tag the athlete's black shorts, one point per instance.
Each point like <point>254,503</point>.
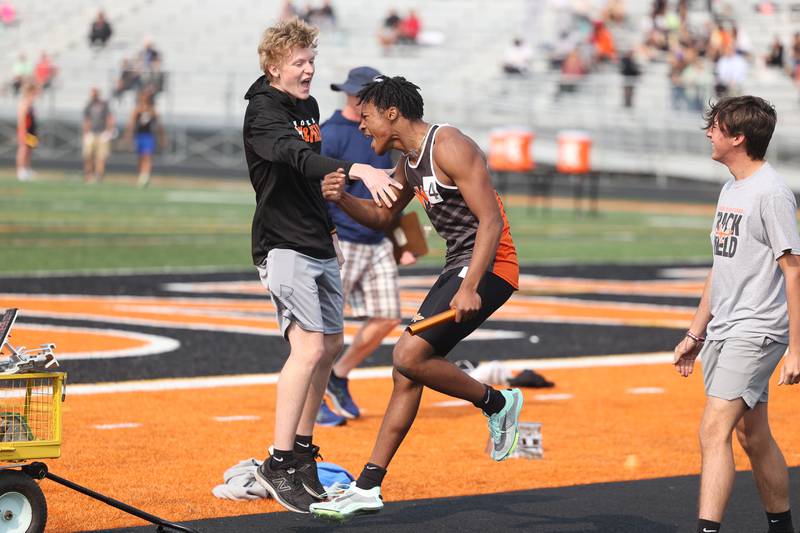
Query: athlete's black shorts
<point>493,290</point>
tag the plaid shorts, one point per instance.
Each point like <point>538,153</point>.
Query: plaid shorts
<point>369,279</point>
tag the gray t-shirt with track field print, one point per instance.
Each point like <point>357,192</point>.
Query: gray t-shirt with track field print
<point>755,224</point>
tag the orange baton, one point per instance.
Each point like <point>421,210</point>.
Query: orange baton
<point>433,321</point>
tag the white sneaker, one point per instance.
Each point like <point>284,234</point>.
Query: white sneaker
<point>349,503</point>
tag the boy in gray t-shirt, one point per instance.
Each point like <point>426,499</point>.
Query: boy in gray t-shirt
<point>749,313</point>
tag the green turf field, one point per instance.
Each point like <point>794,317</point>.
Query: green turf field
<point>60,224</point>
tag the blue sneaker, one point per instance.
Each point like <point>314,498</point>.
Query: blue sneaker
<point>504,425</point>
<point>339,395</point>
<point>326,417</point>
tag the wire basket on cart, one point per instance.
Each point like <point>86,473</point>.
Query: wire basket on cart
<point>30,416</point>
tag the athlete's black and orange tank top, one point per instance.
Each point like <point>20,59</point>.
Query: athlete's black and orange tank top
<point>452,218</point>
<point>30,122</point>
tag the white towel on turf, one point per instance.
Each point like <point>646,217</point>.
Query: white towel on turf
<point>240,482</point>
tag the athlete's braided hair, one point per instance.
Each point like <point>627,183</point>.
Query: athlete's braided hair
<point>385,92</point>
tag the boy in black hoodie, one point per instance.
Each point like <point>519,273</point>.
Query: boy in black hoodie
<point>295,249</point>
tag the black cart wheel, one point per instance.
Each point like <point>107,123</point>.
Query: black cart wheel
<point>23,508</point>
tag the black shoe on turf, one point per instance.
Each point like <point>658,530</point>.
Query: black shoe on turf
<point>284,485</point>
<point>306,471</point>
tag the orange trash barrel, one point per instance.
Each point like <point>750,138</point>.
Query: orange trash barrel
<point>574,148</point>
<point>510,150</point>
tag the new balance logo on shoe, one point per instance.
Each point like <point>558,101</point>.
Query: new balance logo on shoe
<point>281,484</point>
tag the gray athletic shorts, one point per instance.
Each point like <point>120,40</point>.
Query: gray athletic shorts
<point>305,290</point>
<point>740,368</point>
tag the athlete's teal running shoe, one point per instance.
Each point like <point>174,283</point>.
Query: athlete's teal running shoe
<point>504,425</point>
<point>349,503</point>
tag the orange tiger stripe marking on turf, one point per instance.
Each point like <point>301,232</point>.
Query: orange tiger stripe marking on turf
<point>170,463</point>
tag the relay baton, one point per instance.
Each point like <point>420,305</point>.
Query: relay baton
<point>435,320</point>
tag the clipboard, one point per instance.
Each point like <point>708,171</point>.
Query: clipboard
<point>407,235</point>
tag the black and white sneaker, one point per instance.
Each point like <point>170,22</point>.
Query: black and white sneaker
<point>284,485</point>
<point>306,471</point>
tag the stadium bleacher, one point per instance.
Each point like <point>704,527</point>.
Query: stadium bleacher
<point>209,57</point>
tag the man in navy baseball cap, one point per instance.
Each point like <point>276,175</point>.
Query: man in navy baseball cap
<point>369,273</point>
<point>356,79</point>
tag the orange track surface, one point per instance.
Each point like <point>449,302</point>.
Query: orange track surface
<point>169,464</point>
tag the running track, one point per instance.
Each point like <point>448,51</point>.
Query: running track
<point>171,382</point>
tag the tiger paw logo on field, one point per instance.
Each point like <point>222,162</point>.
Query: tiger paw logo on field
<point>726,231</point>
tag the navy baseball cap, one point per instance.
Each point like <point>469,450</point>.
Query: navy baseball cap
<point>356,79</point>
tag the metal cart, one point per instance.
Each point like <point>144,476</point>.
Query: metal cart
<point>30,429</point>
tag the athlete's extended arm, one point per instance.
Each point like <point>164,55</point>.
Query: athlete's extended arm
<point>460,159</point>
<point>687,350</point>
<point>790,371</point>
<point>366,212</point>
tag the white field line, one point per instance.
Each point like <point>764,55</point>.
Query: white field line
<point>554,397</point>
<point>123,425</point>
<point>214,382</point>
<point>646,390</point>
<point>154,344</point>
<point>236,418</point>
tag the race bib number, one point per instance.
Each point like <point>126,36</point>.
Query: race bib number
<point>431,190</point>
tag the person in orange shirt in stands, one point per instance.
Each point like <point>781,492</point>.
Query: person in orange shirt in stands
<point>45,71</point>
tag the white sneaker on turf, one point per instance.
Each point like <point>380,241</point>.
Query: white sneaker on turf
<point>349,503</point>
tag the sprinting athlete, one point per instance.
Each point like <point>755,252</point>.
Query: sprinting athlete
<point>447,172</point>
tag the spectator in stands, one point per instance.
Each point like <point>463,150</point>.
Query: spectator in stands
<point>677,90</point>
<point>27,132</point>
<point>697,79</point>
<point>45,71</point>
<point>630,75</point>
<point>517,58</point>
<point>766,7</point>
<point>731,73</point>
<point>614,12</point>
<point>742,42</point>
<point>21,71</point>
<point>387,37</point>
<point>775,56</point>
<point>288,11</point>
<point>149,54</point>
<point>408,30</point>
<point>326,15</point>
<point>308,14</point>
<point>8,14</point>
<point>151,80</point>
<point>603,42</point>
<point>100,31</point>
<point>572,72</point>
<point>98,130</point>
<point>719,40</point>
<point>145,124</point>
<point>795,53</point>
<point>129,78</point>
